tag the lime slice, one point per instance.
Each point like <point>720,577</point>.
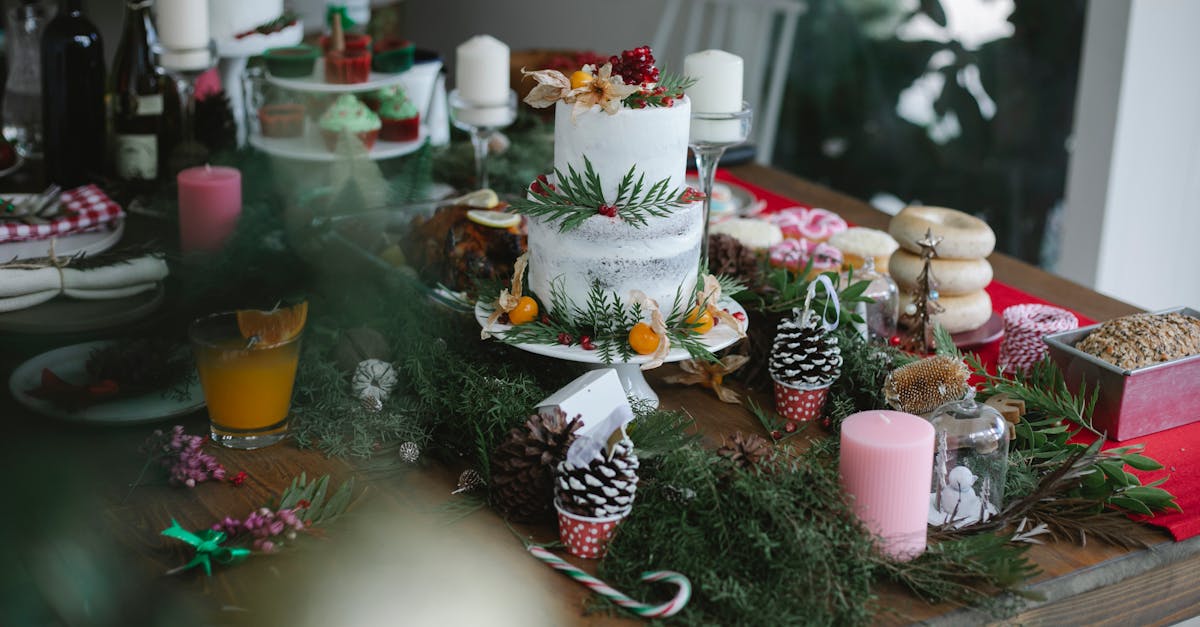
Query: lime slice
<point>494,219</point>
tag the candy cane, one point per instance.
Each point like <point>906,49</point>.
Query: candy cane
<point>670,608</point>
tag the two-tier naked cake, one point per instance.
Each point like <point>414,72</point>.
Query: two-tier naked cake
<point>659,257</point>
<point>632,224</point>
<point>614,232</point>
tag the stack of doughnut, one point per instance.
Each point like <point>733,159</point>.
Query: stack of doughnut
<point>961,267</point>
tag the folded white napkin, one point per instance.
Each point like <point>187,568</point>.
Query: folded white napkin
<point>24,285</point>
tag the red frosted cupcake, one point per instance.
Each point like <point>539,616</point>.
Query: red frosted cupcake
<point>349,116</point>
<point>347,67</point>
<point>354,41</point>
<point>282,120</point>
<point>401,121</point>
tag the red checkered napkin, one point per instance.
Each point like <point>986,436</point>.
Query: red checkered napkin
<point>85,208</point>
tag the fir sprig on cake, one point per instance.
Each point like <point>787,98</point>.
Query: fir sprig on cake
<point>587,187</point>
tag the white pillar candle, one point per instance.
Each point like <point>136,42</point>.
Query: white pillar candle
<point>481,71</point>
<point>182,24</point>
<point>718,86</point>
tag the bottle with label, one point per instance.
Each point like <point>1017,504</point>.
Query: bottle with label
<point>142,97</point>
<point>73,112</point>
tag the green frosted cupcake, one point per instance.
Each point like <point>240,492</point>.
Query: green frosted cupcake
<point>401,120</point>
<point>349,116</point>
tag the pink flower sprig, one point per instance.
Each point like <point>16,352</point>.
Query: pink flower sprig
<point>268,528</point>
<point>181,454</point>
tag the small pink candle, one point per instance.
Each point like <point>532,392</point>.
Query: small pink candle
<point>886,467</point>
<point>210,201</point>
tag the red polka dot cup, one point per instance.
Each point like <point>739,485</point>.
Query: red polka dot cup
<point>800,403</point>
<point>585,536</point>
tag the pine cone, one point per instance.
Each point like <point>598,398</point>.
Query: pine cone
<point>522,467</point>
<point>727,256</point>
<point>804,353</point>
<point>745,451</point>
<point>923,386</point>
<point>604,487</point>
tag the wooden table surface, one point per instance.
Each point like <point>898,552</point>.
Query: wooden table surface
<point>404,555</point>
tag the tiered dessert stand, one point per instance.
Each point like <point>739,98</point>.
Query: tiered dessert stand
<point>310,146</point>
<point>235,52</point>
<point>630,372</point>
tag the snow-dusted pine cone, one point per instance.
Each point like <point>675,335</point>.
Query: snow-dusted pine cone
<point>604,487</point>
<point>804,353</point>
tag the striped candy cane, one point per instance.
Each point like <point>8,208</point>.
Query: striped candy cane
<point>670,608</point>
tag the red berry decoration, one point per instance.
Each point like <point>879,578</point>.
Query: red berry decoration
<point>777,435</point>
<point>540,184</point>
<point>608,211</point>
<point>239,478</point>
<point>565,339</point>
<point>585,342</point>
<point>545,319</point>
<point>894,340</point>
<point>790,427</point>
<point>739,316</point>
<point>635,67</point>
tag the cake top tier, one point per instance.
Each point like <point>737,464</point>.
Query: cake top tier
<point>628,81</point>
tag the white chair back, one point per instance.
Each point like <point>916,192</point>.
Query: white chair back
<point>760,31</point>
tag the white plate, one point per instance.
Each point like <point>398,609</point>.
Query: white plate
<point>743,201</point>
<point>315,83</point>
<point>70,363</point>
<point>311,147</point>
<point>65,245</point>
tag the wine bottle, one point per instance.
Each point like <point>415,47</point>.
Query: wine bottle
<point>142,96</point>
<point>73,111</point>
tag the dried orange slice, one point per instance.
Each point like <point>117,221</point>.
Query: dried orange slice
<point>273,327</point>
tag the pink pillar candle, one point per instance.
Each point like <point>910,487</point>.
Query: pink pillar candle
<point>886,466</point>
<point>210,201</point>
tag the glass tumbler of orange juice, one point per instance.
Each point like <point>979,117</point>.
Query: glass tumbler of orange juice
<point>247,383</point>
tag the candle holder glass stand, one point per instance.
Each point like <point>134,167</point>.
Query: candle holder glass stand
<point>711,134</point>
<point>184,66</point>
<point>481,122</point>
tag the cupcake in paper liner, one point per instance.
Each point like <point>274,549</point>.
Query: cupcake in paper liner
<point>805,361</point>
<point>594,490</point>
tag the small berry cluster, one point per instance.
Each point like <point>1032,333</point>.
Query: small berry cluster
<point>183,458</point>
<point>585,341</point>
<point>691,194</point>
<point>635,67</point>
<point>540,185</point>
<point>657,97</point>
<point>267,527</point>
<point>608,211</point>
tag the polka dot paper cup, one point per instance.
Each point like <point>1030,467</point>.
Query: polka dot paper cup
<point>800,403</point>
<point>585,536</point>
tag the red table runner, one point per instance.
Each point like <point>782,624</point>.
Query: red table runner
<point>1173,448</point>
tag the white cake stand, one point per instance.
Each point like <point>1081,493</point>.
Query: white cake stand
<point>630,372</point>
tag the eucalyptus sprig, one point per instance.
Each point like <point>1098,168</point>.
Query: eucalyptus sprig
<point>577,196</point>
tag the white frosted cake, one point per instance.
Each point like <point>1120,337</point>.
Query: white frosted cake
<point>661,257</point>
<point>229,18</point>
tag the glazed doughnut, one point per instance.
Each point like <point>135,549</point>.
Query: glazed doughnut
<point>955,277</point>
<point>814,225</point>
<point>963,236</point>
<point>794,254</point>
<point>857,243</point>
<point>962,313</point>
<point>753,234</point>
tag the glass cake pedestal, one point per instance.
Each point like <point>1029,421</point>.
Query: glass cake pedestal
<point>630,372</point>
